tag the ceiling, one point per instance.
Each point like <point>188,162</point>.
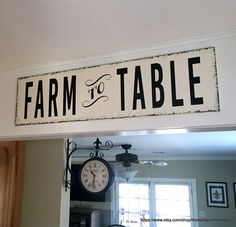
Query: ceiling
<point>47,32</point>
<point>42,33</point>
<point>194,145</point>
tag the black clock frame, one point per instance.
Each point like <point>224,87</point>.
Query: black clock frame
<point>110,171</point>
<point>71,147</point>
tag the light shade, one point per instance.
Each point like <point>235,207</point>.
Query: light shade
<point>127,173</point>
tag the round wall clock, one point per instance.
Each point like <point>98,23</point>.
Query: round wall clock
<point>96,175</point>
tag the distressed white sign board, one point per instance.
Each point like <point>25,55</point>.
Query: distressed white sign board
<point>177,83</point>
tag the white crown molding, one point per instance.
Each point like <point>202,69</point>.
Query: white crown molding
<point>164,48</point>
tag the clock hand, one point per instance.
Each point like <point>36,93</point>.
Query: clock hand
<point>92,173</point>
<point>93,182</point>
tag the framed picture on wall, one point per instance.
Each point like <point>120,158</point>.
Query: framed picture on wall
<point>234,186</point>
<point>217,194</point>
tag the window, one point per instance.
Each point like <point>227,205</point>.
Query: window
<point>172,202</point>
<point>155,203</point>
<point>133,203</point>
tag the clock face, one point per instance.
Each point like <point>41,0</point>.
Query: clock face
<point>96,175</point>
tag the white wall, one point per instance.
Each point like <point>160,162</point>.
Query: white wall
<point>225,57</point>
<point>45,203</point>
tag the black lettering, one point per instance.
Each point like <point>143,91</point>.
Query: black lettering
<point>39,100</point>
<point>100,88</point>
<point>122,72</point>
<point>175,101</point>
<point>69,95</point>
<point>194,80</point>
<point>52,97</point>
<point>27,98</point>
<point>157,84</point>
<point>92,92</point>
<point>138,85</point>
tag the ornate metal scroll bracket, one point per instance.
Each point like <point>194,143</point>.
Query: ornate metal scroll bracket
<point>71,147</point>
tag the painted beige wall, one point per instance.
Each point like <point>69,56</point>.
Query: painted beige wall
<point>44,200</point>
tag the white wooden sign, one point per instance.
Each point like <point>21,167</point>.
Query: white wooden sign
<point>177,83</point>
